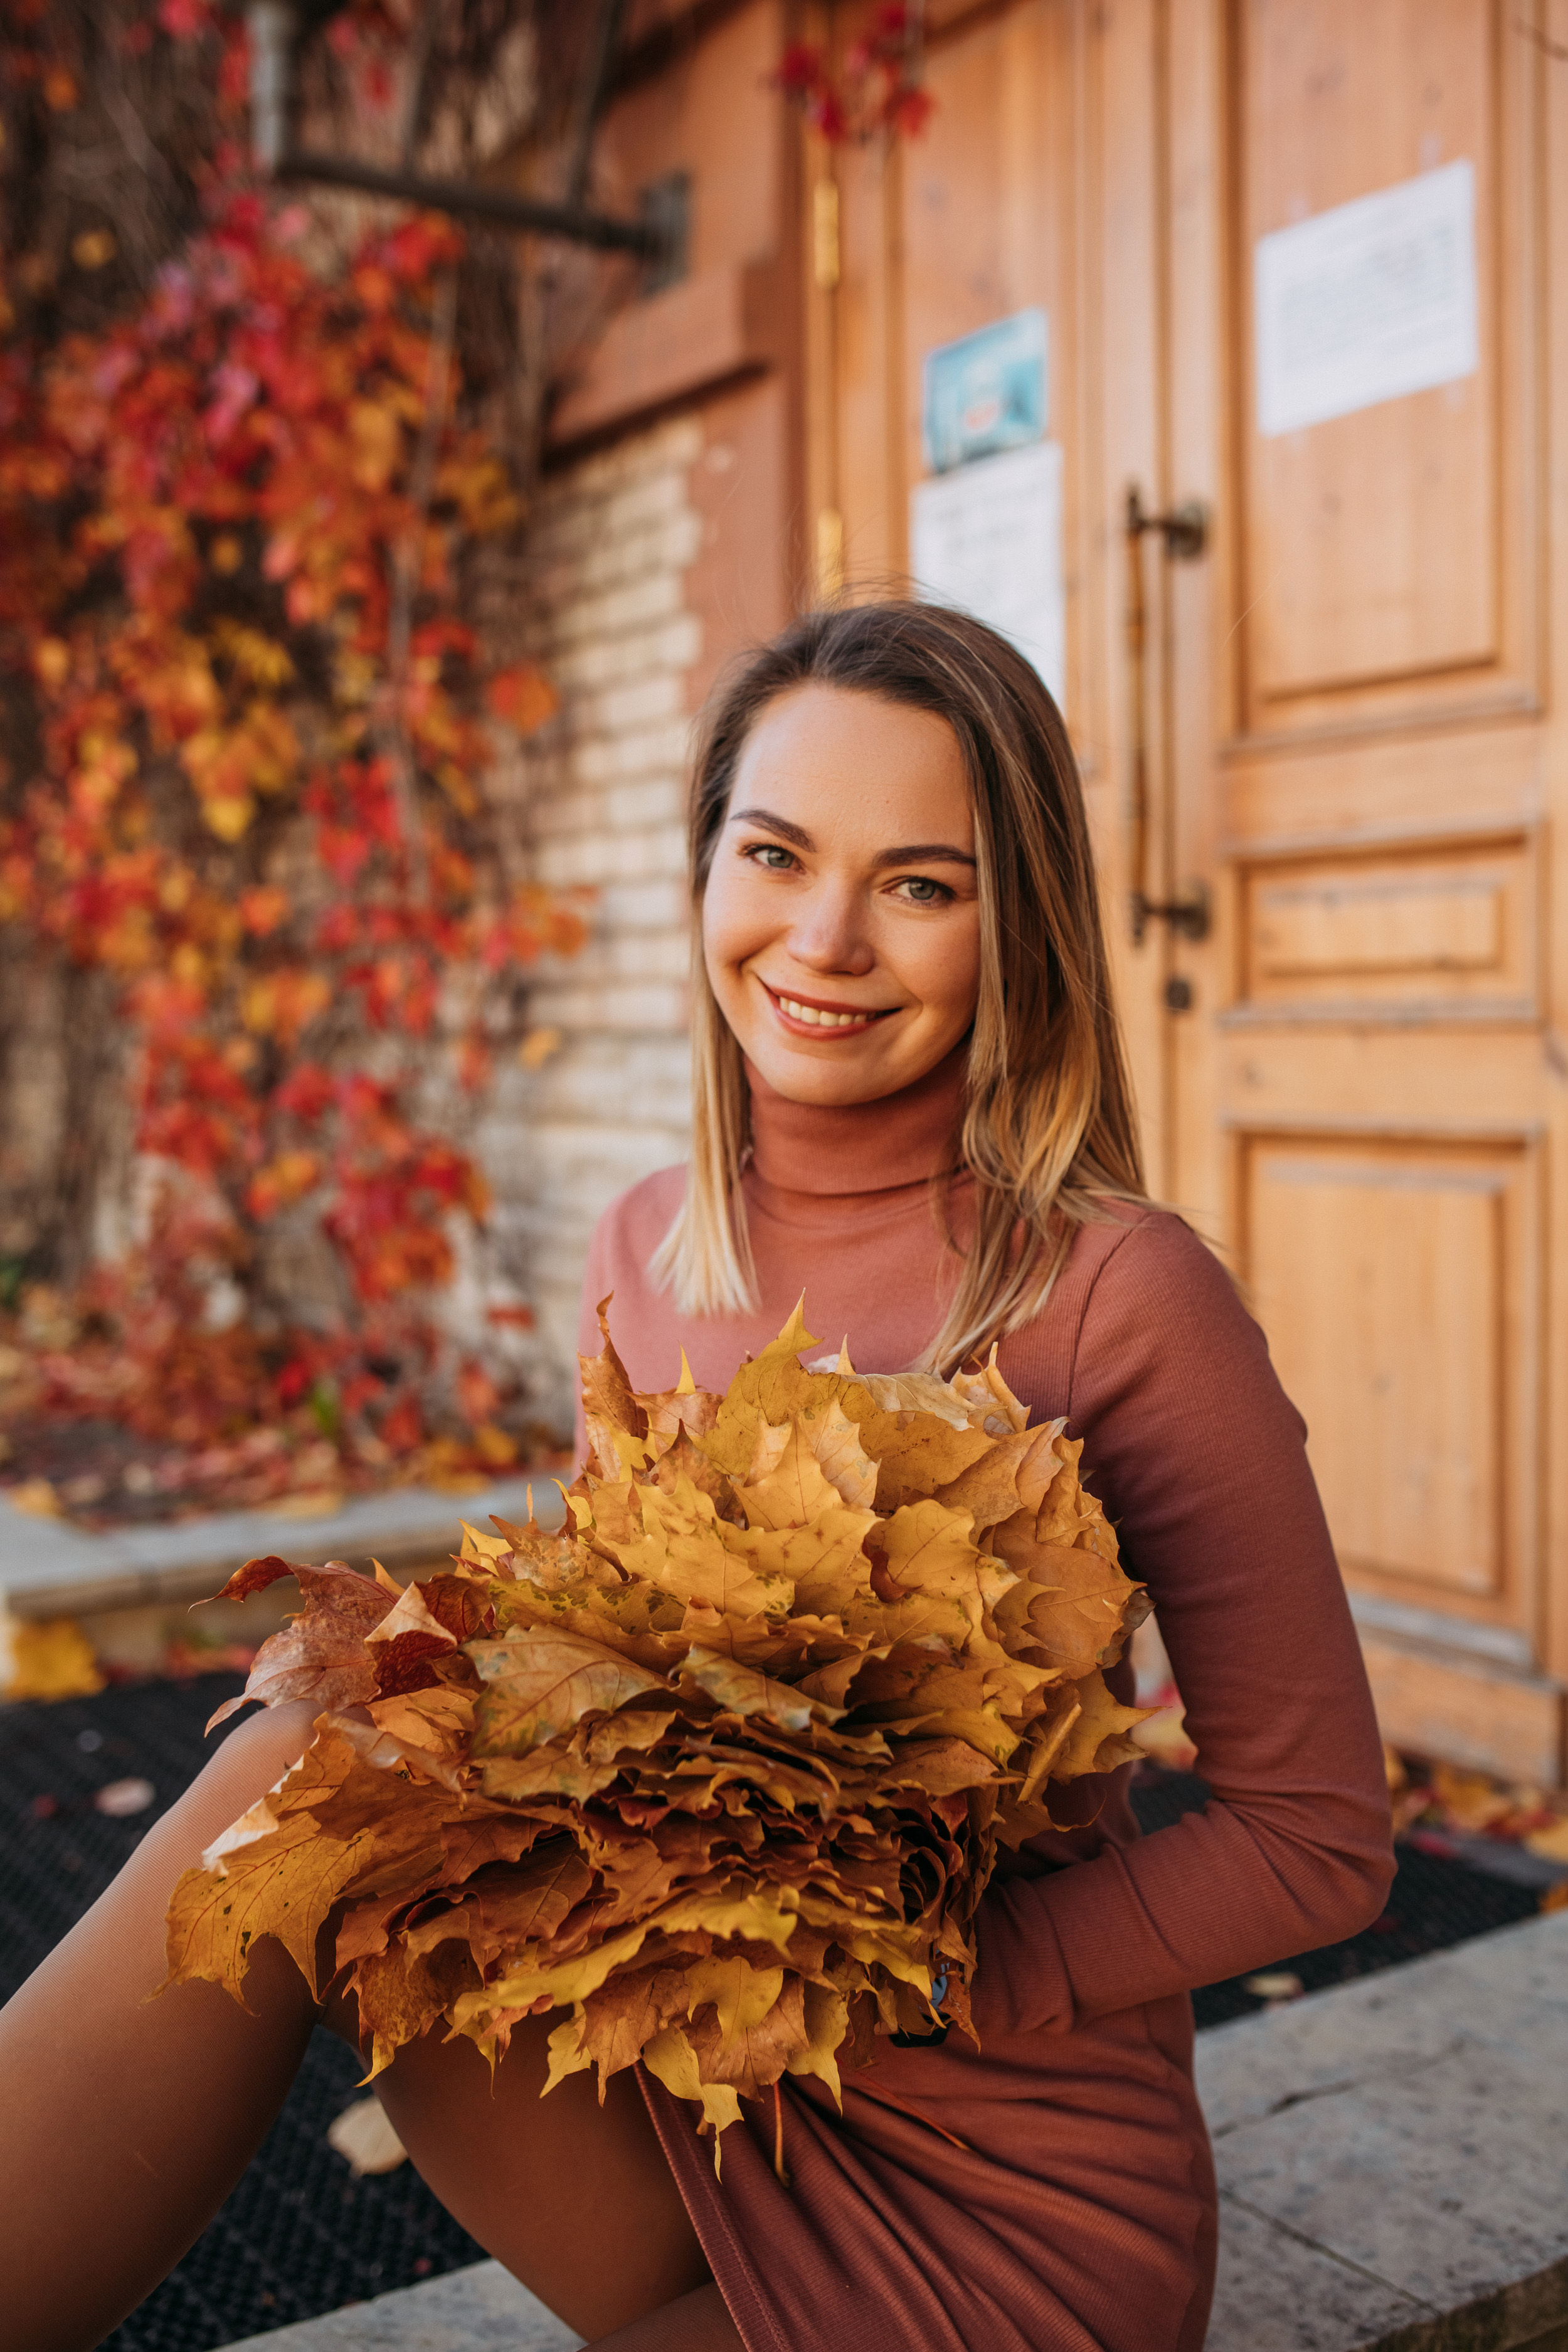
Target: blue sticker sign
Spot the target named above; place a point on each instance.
(985, 392)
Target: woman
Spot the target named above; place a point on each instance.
(910, 1104)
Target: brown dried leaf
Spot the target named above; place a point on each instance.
(320, 1654)
(545, 1683)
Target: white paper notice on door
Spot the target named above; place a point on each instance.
(988, 538)
(1367, 302)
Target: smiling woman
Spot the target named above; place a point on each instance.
(909, 1105)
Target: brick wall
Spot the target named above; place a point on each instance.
(601, 803)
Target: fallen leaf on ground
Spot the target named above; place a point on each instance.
(1274, 1984)
(120, 1799)
(363, 2135)
(51, 1659)
(1551, 1843)
(36, 1497)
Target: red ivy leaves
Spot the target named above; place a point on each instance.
(205, 513)
(879, 90)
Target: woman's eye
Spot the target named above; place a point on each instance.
(920, 891)
(769, 854)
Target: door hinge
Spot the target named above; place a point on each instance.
(1189, 913)
(1185, 530)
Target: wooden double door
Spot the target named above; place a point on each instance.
(1302, 264)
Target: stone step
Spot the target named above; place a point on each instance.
(50, 1569)
(1390, 2159)
(1393, 2157)
(481, 2309)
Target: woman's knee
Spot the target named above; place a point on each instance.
(253, 1759)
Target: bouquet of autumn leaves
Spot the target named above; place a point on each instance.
(718, 1772)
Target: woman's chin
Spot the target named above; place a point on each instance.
(836, 1073)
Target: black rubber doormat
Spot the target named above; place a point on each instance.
(300, 2236)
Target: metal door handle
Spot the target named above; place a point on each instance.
(1183, 533)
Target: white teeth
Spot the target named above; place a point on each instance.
(815, 1019)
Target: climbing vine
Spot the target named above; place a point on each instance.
(251, 734)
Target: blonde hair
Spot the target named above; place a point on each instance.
(1047, 1132)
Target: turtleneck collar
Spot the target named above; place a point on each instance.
(833, 1149)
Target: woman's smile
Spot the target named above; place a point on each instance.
(804, 1014)
(841, 916)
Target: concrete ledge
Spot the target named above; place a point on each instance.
(1391, 2157)
(482, 2309)
(48, 1569)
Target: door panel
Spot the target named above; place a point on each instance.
(1435, 932)
(1372, 537)
(1393, 1280)
(1390, 556)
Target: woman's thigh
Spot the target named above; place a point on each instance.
(575, 2197)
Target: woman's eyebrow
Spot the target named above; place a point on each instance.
(780, 825)
(925, 853)
(919, 853)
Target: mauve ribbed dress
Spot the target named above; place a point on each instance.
(1078, 2211)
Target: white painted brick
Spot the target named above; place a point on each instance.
(597, 661)
(623, 956)
(638, 750)
(678, 441)
(594, 759)
(656, 499)
(624, 1154)
(577, 861)
(657, 800)
(653, 906)
(600, 801)
(662, 850)
(568, 813)
(649, 955)
(668, 545)
(615, 611)
(639, 704)
(658, 1009)
(586, 1079)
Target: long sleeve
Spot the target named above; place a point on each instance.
(1200, 1461)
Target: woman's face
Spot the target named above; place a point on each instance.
(841, 920)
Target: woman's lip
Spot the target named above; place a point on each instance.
(790, 1009)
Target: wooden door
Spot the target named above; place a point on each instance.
(1357, 1080)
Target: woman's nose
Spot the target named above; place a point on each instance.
(829, 933)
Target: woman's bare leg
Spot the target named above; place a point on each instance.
(127, 2121)
(576, 2200)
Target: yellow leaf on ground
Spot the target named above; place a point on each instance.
(363, 2135)
(48, 1659)
(36, 1497)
